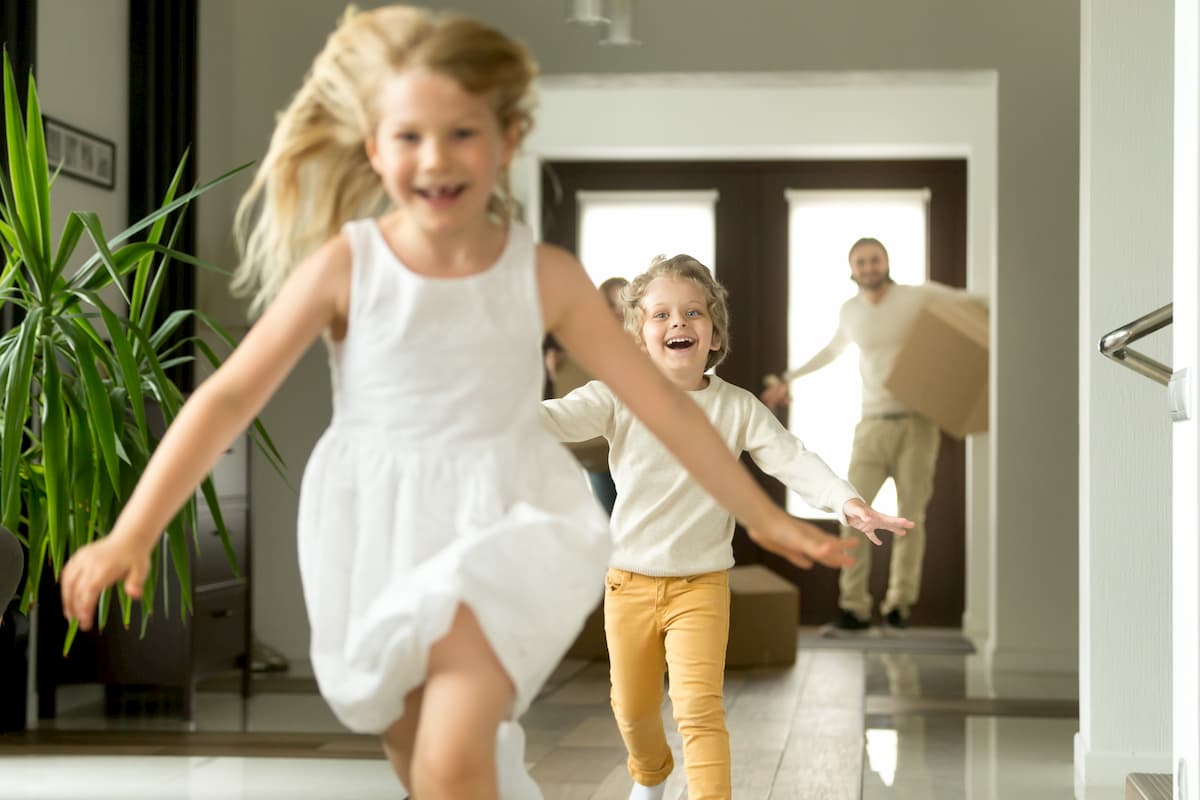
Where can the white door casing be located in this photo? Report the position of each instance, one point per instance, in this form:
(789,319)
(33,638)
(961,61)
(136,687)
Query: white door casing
(1185,555)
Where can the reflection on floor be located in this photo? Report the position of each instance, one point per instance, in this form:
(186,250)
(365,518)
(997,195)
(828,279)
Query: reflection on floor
(933,732)
(839,724)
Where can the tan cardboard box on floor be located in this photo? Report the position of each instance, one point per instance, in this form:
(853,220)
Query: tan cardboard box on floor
(942,370)
(764,612)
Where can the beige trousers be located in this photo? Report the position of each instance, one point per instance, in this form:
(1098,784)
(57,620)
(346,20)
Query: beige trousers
(903,448)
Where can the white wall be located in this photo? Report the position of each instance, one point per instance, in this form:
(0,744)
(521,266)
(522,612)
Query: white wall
(245,76)
(82,76)
(94,98)
(1124,431)
(795,116)
(1185,545)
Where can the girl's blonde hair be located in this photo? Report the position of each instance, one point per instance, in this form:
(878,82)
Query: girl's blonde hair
(316,176)
(682,267)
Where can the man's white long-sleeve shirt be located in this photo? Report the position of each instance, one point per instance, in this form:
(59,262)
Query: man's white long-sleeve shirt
(880,331)
(664,524)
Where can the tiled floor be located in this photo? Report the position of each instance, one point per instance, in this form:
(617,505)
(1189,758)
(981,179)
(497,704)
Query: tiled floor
(795,733)
(838,724)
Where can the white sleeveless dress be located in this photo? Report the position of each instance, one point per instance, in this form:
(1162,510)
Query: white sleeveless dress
(435,485)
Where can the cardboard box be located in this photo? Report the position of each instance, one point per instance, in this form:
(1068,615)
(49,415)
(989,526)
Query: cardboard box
(764,612)
(942,369)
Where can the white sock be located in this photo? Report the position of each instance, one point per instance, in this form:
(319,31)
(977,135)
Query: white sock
(514,780)
(647,792)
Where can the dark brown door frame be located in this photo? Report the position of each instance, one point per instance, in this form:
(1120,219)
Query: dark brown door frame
(18,33)
(751,260)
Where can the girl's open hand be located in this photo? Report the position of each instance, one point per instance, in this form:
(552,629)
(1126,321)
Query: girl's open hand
(862,517)
(803,543)
(96,567)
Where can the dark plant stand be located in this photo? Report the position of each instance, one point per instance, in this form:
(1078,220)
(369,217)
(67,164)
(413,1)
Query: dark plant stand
(14,661)
(157,674)
(14,670)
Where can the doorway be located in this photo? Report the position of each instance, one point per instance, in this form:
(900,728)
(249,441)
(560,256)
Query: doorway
(751,247)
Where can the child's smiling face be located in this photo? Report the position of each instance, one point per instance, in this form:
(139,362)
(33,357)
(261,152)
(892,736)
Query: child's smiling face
(438,148)
(677,332)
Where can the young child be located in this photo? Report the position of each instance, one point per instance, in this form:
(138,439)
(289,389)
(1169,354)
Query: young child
(448,554)
(667,598)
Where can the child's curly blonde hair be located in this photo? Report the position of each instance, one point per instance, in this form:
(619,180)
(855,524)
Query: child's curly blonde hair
(682,267)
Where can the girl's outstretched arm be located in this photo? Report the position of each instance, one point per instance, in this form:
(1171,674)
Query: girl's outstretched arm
(575,312)
(315,298)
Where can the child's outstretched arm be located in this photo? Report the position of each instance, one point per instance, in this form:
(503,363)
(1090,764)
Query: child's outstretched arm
(578,317)
(314,298)
(584,414)
(780,453)
(860,516)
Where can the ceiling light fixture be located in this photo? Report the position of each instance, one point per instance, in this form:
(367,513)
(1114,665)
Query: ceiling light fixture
(620,24)
(586,12)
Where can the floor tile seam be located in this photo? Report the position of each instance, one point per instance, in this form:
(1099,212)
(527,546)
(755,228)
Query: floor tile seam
(887,705)
(801,684)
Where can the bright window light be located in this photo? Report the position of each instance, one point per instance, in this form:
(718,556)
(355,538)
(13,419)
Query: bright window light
(619,232)
(883,744)
(822,226)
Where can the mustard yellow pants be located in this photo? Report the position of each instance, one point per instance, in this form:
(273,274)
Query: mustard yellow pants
(679,626)
(904,448)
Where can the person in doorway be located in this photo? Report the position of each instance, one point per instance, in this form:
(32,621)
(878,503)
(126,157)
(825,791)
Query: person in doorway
(890,440)
(565,376)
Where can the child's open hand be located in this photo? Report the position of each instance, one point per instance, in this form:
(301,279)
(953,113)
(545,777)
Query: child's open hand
(96,567)
(862,517)
(803,543)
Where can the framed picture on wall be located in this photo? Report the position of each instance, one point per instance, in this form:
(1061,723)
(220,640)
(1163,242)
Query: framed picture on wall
(83,156)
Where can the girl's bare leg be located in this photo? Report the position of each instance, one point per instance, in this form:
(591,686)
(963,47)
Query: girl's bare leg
(401,737)
(466,695)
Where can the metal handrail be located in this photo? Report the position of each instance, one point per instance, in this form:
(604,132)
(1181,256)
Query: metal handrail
(1115,345)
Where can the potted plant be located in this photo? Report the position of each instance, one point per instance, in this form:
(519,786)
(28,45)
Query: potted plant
(79,375)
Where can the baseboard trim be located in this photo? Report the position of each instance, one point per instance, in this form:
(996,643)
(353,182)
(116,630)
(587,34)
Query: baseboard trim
(1020,659)
(1109,770)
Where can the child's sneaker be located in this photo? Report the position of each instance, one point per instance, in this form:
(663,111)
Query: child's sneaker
(641,792)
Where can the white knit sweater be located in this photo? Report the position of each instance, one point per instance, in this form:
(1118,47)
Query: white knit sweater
(664,524)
